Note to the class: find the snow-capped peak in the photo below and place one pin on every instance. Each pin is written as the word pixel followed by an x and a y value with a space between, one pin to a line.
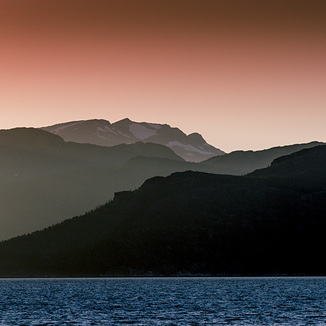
pixel 101 132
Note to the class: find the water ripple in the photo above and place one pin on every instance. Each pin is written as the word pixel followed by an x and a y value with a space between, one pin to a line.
pixel 173 301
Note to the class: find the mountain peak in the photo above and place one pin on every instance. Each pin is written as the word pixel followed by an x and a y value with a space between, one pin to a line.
pixel 192 148
pixel 98 121
pixel 123 121
pixel 196 137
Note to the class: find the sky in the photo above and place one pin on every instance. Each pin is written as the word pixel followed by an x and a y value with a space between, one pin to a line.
pixel 245 74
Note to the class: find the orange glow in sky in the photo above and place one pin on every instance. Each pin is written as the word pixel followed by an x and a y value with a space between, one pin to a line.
pixel 245 77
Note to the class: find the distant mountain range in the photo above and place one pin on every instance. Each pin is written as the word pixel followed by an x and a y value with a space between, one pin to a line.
pixel 243 162
pixel 192 148
pixel 269 222
pixel 45 180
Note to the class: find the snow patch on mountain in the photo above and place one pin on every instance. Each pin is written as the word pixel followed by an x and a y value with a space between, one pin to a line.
pixel 98 135
pixel 188 147
pixel 110 130
pixel 123 134
pixel 101 132
pixel 64 126
pixel 141 132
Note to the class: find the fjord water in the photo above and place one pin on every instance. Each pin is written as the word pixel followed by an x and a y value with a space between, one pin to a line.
pixel 164 301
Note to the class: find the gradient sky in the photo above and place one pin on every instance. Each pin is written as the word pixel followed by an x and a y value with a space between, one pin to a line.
pixel 245 74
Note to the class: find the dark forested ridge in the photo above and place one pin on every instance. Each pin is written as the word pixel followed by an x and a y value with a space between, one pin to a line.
pixel 269 222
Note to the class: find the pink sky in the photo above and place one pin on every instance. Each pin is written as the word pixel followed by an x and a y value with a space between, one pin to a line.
pixel 243 78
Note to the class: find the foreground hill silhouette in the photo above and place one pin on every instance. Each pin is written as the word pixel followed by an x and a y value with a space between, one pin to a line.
pixel 307 165
pixel 269 222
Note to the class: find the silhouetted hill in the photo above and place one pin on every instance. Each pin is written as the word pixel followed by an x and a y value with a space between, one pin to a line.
pixel 244 162
pixel 303 169
pixel 45 180
pixel 191 147
pixel 29 151
pixel 307 162
pixel 189 223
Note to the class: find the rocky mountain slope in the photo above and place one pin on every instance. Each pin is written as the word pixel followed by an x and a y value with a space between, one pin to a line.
pixel 191 147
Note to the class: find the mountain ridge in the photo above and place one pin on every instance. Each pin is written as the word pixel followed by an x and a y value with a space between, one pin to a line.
pixel 244 162
pixel 190 223
pixel 45 180
pixel 192 147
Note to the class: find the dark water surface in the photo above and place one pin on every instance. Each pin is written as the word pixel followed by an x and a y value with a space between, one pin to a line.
pixel 163 301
